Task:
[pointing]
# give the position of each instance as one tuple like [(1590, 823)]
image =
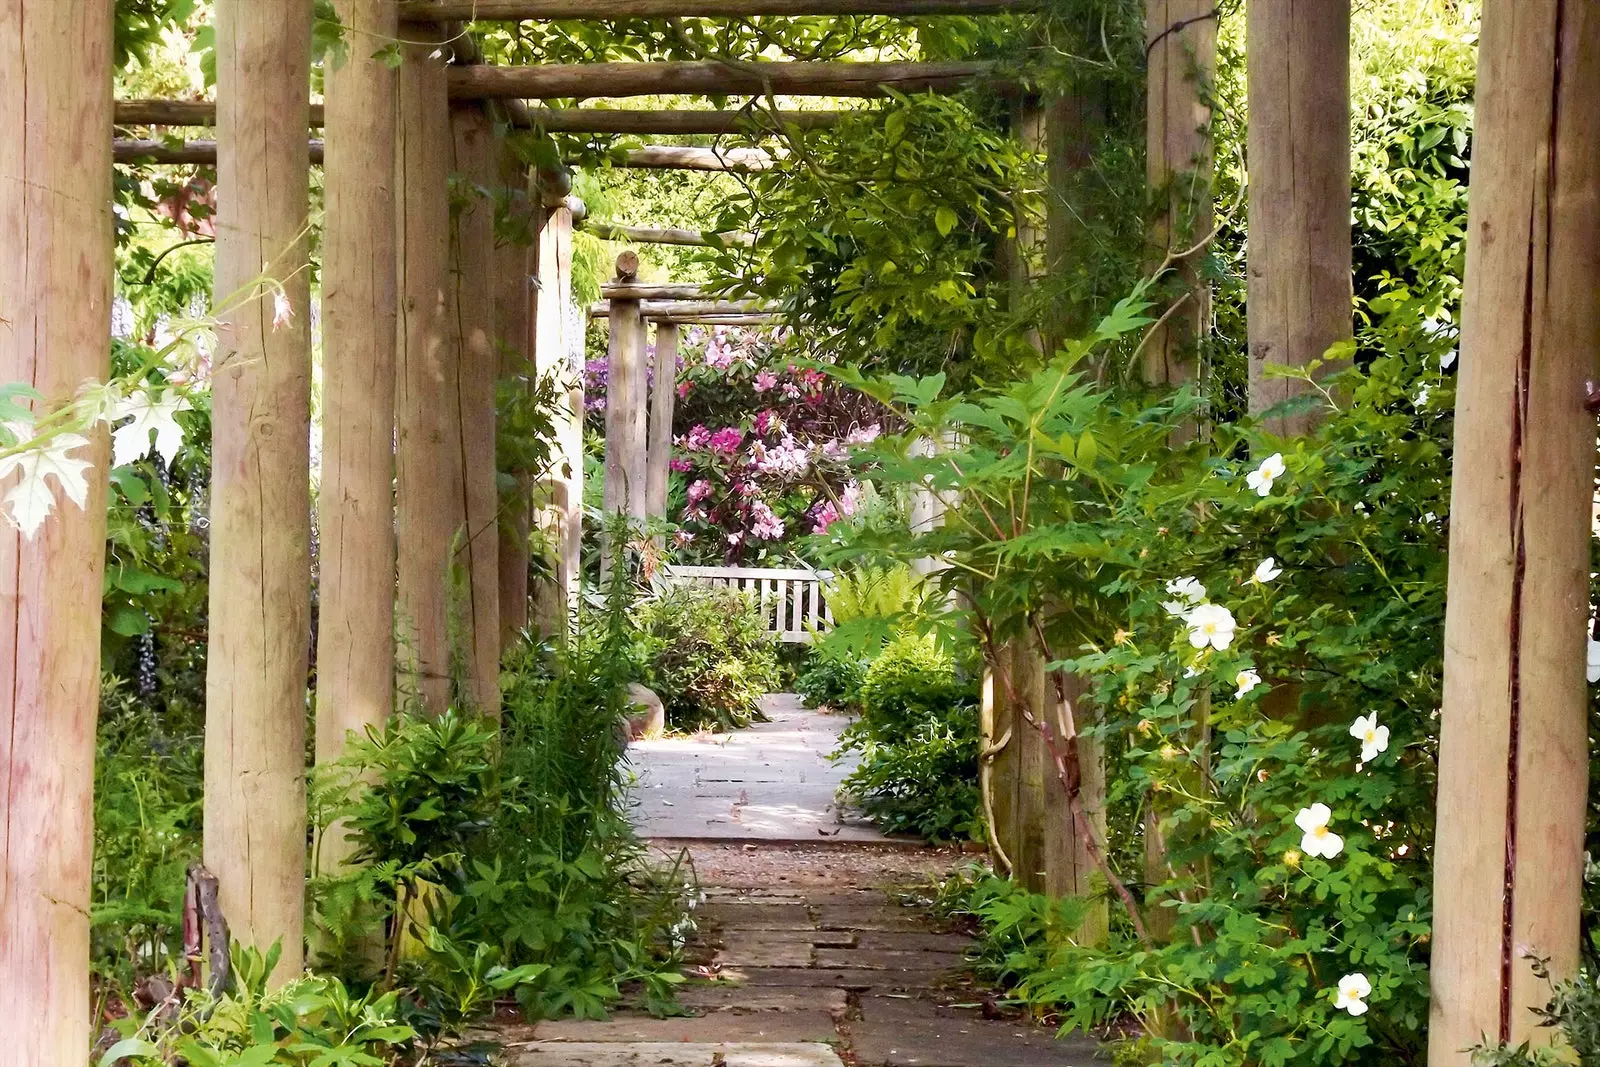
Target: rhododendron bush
[(761, 444)]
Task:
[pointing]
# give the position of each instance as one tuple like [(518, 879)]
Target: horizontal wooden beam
[(551, 119), (423, 11), (663, 157), (651, 235), (178, 113), (548, 81), (619, 121), (690, 309), (654, 291), (674, 157)]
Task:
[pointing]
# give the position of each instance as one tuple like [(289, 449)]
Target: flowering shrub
[(761, 459), (1258, 626)]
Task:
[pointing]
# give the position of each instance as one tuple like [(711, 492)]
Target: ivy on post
[(260, 608), (1514, 743), (470, 311), (1299, 145), (55, 314)]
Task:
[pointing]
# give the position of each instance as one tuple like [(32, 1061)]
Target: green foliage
[(1574, 1008), (831, 681), (710, 658), (310, 1021), (147, 801), (918, 742), (497, 863)]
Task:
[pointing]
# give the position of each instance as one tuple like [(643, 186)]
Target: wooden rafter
[(579, 80), (517, 10)]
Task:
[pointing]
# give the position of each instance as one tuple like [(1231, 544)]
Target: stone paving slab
[(910, 1033), (812, 1024), (876, 917), (756, 916), (665, 1054), (725, 997), (763, 936), (772, 781), (881, 960), (750, 952), (855, 979), (910, 941)]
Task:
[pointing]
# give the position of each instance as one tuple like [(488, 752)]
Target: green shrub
[(912, 683), (710, 658), (831, 682), (918, 743)]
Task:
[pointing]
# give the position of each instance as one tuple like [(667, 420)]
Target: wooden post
[(428, 480), (625, 403), (55, 296), (557, 335), (476, 608), (355, 632), (1299, 260), (663, 399), (1513, 753), (512, 308), (260, 605), (1181, 36)]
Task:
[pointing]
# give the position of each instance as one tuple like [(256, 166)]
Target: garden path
[(769, 782), (815, 944)]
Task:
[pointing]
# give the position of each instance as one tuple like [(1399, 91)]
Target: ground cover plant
[(708, 655)]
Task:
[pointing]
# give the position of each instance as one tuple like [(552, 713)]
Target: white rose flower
[(1266, 571), (1262, 477), (1210, 626), (1374, 738), (1353, 991), (1247, 680), (1318, 839)]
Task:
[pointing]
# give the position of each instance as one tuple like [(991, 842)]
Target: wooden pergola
[(423, 311)]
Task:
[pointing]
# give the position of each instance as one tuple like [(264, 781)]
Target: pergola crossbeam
[(651, 235), (581, 120), (579, 80), (598, 10), (652, 157)]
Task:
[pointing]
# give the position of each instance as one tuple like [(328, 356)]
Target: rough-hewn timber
[(516, 10), (1513, 754), (260, 598), (1299, 257), (55, 293), (561, 80)]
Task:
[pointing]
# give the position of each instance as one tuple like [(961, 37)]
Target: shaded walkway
[(805, 954)]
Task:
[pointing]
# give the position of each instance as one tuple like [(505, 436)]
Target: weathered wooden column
[(625, 487), (1513, 755), (1181, 36), (55, 297), (429, 490), (355, 631), (475, 566), (512, 334), (1299, 142), (556, 337), (260, 604), (663, 398)]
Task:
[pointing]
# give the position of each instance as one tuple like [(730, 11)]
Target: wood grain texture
[(557, 331), (260, 598), (428, 478), (549, 81), (471, 315), (625, 412), (1182, 39), (663, 400), (1299, 287), (356, 566), (1513, 759), (55, 303), (513, 299), (516, 10)]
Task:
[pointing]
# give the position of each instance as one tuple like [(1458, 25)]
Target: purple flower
[(824, 517), (679, 464), (768, 527), (699, 489), (727, 440), (766, 380)]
